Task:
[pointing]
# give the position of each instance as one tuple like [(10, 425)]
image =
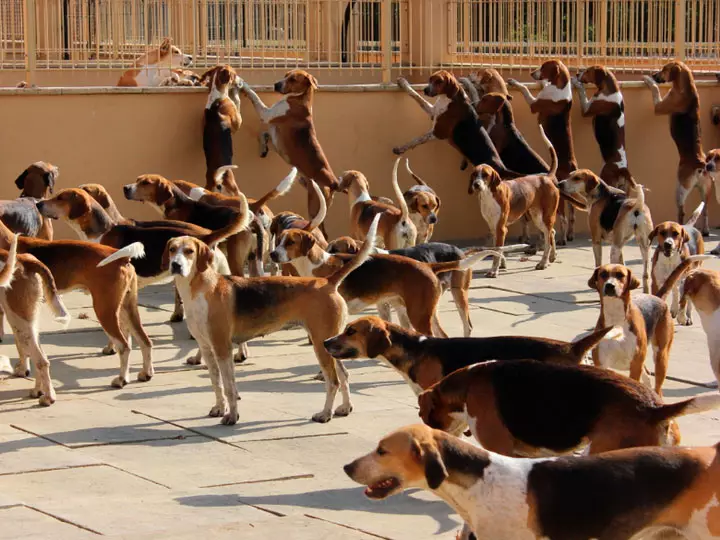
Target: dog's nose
[(427, 90), (328, 344), (657, 77), (349, 469), (126, 190), (175, 268), (278, 86), (710, 166), (39, 205), (432, 219), (609, 289)]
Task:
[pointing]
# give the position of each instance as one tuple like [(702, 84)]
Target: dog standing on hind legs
[(682, 104)]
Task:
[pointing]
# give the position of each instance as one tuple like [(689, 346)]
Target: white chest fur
[(617, 351), (553, 93), (196, 309), (152, 75), (665, 266), (441, 105), (489, 208)]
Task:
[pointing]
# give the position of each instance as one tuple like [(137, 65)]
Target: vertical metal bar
[(580, 29), (30, 41), (386, 39), (680, 30)]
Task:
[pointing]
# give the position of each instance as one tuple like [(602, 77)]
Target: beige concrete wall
[(111, 138)]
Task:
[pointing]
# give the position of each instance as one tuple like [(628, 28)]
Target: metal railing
[(384, 37)]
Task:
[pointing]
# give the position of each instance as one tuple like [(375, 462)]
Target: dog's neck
[(199, 282), (217, 93), (602, 191), (358, 194), (93, 225), (404, 344), (312, 261), (615, 309)]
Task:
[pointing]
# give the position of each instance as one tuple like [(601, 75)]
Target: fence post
[(680, 30), (30, 41), (386, 39), (580, 29)]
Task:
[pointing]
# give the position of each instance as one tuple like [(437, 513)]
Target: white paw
[(576, 83), (648, 81), (46, 401), (118, 382), (36, 393), (108, 349), (230, 419), (344, 410), (217, 411), (322, 417), (20, 370)]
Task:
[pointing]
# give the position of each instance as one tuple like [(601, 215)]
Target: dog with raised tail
[(424, 206)]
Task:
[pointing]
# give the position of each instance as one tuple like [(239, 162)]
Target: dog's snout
[(350, 469), (609, 289), (278, 86), (127, 190), (432, 219), (427, 91), (39, 205), (175, 268), (657, 77), (710, 166), (274, 256)]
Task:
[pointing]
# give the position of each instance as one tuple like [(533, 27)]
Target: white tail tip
[(197, 193), (287, 182), (371, 236), (136, 250), (220, 172)]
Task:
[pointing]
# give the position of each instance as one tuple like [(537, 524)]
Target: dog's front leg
[(523, 90), (655, 89), (429, 136), (426, 106), (582, 96), (267, 114)]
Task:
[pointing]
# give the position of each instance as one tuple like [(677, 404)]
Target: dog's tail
[(35, 266), (399, 194), (318, 218), (136, 250), (551, 149), (240, 222), (695, 405), (220, 172), (580, 347), (679, 272), (639, 205), (337, 278), (8, 271), (695, 215), (415, 177), (467, 262), (278, 191)]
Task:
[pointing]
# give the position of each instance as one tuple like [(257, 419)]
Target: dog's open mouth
[(382, 489)]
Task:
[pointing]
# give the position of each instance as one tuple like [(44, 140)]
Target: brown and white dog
[(24, 281), (701, 287), (454, 120), (396, 229), (641, 491), (607, 109), (614, 215), (35, 183), (221, 119), (552, 105), (155, 66), (422, 361), (675, 243), (525, 408), (292, 132), (642, 320), (424, 206), (220, 308), (503, 202), (682, 104)]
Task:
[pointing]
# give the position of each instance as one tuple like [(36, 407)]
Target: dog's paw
[(230, 419), (513, 83), (239, 357), (46, 401), (398, 151), (402, 82), (576, 83), (322, 417), (145, 376), (177, 317), (649, 81), (319, 377), (119, 382), (561, 242), (491, 274), (344, 410), (194, 360), (36, 393), (108, 349), (217, 411), (20, 370), (541, 266)]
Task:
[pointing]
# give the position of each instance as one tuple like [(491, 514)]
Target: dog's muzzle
[(668, 247), (657, 77), (278, 87), (128, 191), (428, 91), (432, 219), (609, 289), (175, 268), (710, 167)]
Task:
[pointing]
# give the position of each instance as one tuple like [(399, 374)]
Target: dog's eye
[(674, 234), (619, 275), (380, 451), (604, 275), (188, 251), (172, 250), (350, 331), (289, 243)]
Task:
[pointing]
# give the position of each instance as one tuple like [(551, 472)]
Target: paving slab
[(26, 523)]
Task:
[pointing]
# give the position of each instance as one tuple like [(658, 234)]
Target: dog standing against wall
[(552, 105), (682, 104), (607, 110), (292, 132)]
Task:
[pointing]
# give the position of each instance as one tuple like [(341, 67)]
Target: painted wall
[(112, 137)]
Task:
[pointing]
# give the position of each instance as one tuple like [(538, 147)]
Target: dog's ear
[(435, 471), (591, 182), (313, 81), (20, 180), (685, 235), (426, 402), (164, 193), (654, 233), (307, 242), (205, 257), (438, 202), (49, 179), (378, 341), (495, 179), (412, 204), (78, 207), (165, 45), (632, 282), (592, 282), (165, 262)]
